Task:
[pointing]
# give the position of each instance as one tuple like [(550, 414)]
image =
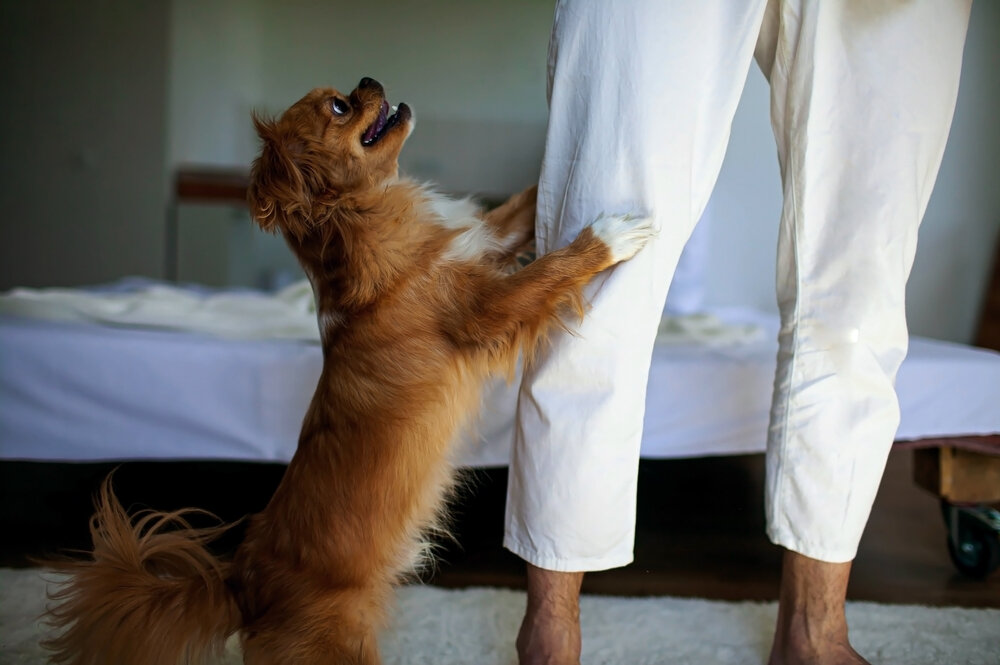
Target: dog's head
[(326, 146)]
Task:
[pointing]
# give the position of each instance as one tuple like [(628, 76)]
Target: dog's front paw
[(624, 235)]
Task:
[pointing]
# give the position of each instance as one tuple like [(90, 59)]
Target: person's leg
[(550, 631), (811, 625), (862, 99), (642, 95)]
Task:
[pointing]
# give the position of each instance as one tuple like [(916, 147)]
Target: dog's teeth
[(394, 109)]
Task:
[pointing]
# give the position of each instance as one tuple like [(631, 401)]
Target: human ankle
[(811, 625), (550, 632)]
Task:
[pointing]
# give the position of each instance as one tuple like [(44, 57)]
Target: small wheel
[(976, 553)]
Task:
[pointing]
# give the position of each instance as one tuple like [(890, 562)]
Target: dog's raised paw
[(624, 235)]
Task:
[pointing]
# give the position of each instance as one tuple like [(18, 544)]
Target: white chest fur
[(475, 238)]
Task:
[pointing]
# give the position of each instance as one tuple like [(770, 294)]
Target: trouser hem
[(567, 564), (783, 538)]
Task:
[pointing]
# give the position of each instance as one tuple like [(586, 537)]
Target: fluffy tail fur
[(150, 594)]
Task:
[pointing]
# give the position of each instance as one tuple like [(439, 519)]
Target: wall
[(962, 225), (477, 133), (215, 80), (462, 66), (82, 140), (105, 98), (475, 73)]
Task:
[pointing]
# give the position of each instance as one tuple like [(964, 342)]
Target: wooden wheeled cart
[(965, 474)]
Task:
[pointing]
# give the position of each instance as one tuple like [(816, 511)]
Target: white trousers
[(642, 95)]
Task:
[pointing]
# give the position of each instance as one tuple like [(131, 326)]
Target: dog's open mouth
[(384, 122)]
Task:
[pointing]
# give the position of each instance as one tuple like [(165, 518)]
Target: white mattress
[(81, 391)]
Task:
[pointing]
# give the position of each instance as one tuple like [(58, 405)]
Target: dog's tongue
[(379, 124)]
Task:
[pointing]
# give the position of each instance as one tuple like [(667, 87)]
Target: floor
[(699, 534)]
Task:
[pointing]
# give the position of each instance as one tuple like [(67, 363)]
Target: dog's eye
[(339, 106)]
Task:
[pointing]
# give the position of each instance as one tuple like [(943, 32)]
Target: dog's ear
[(279, 194)]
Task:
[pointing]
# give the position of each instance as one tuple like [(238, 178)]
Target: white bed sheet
[(84, 392)]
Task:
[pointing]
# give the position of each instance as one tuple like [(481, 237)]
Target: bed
[(118, 382), (114, 377), (151, 371)]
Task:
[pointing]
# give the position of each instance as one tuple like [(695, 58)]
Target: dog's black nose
[(367, 83)]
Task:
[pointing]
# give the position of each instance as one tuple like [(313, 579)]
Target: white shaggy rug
[(440, 627)]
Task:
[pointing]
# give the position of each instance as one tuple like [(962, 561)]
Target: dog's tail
[(150, 593)]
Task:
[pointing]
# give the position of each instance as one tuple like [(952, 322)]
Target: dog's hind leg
[(336, 626)]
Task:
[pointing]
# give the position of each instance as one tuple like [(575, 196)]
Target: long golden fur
[(417, 303)]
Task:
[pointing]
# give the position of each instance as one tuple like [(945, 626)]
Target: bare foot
[(812, 627), (550, 632)]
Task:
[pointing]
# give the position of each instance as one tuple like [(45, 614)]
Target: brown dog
[(417, 303)]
